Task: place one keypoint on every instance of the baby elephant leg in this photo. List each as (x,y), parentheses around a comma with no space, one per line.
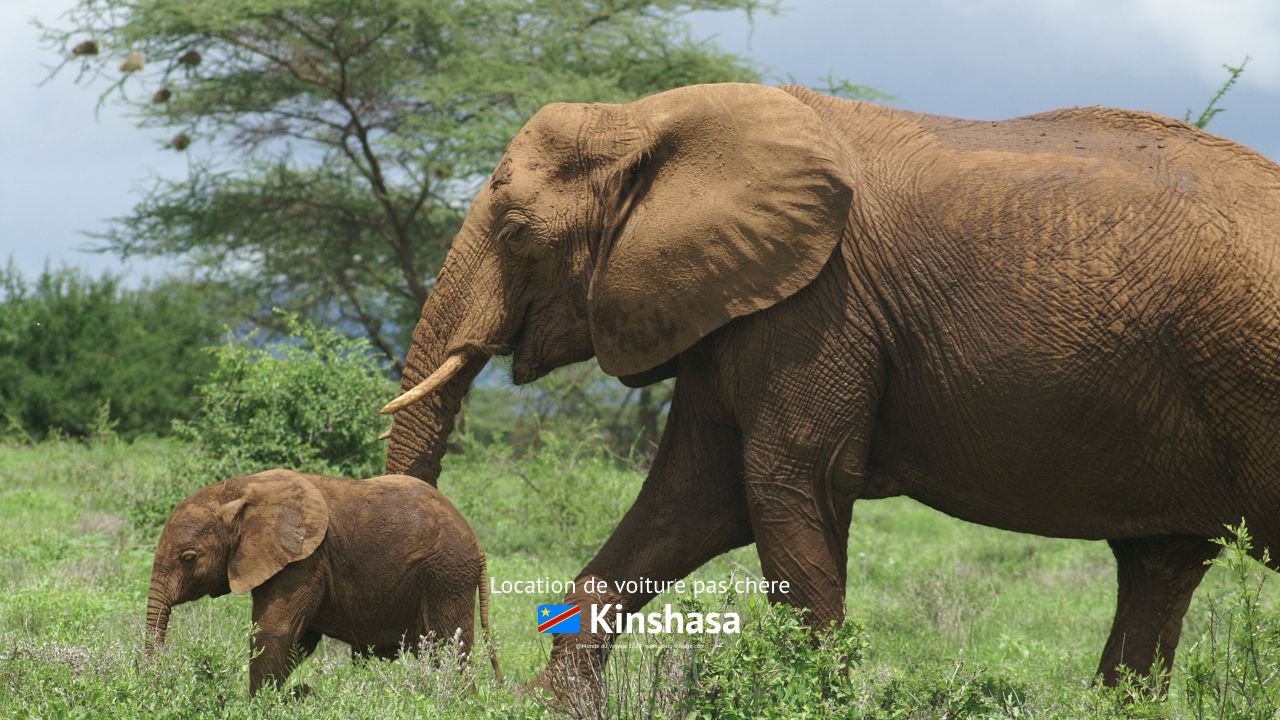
(282,619)
(307,643)
(277,655)
(306,646)
(446,619)
(382,652)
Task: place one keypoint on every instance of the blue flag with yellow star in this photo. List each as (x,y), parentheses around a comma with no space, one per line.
(556,619)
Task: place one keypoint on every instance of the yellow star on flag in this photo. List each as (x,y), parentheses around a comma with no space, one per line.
(545,612)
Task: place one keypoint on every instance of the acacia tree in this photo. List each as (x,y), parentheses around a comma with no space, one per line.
(335,142)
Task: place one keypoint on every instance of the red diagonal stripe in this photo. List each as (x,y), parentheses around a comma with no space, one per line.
(559,618)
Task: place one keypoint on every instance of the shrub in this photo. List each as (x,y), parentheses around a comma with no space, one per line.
(1233,672)
(72,345)
(309,404)
(958,692)
(773,669)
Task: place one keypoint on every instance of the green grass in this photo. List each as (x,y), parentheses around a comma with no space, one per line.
(959,620)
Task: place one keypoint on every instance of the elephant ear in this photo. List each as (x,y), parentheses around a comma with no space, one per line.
(733,202)
(278,517)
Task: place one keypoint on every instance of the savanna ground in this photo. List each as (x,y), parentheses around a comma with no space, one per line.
(950,619)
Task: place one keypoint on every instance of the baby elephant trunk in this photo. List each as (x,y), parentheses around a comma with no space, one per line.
(157,622)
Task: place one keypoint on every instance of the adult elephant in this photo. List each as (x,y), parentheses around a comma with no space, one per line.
(1065,324)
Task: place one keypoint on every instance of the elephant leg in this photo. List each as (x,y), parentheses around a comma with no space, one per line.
(690,509)
(802,538)
(381,652)
(449,618)
(308,642)
(1157,577)
(276,656)
(282,609)
(386,652)
(806,462)
(306,646)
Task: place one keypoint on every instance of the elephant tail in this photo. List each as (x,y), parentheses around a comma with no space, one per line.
(484,616)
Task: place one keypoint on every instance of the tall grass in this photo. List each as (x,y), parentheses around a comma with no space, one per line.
(948,619)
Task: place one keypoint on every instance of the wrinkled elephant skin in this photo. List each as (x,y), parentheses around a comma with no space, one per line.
(1065,324)
(377,564)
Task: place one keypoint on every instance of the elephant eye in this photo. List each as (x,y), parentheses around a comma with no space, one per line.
(510,233)
(188,557)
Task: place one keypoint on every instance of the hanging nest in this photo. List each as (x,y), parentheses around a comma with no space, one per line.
(162,96)
(180,142)
(88,47)
(190,58)
(133,63)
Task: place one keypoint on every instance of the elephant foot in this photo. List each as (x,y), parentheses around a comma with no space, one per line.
(573,673)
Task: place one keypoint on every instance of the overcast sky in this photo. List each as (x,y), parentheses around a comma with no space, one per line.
(62,172)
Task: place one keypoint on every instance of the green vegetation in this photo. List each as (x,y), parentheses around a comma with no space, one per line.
(308,403)
(949,619)
(775,671)
(77,351)
(358,128)
(572,400)
(336,145)
(1232,671)
(1211,110)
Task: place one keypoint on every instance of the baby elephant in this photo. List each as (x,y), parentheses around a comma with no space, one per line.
(374,563)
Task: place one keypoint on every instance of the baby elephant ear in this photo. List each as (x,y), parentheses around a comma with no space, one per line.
(277,518)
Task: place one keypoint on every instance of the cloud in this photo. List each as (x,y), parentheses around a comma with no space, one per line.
(1214,33)
(1196,37)
(65,168)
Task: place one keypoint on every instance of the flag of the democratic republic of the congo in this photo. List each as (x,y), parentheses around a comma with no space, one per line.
(555,619)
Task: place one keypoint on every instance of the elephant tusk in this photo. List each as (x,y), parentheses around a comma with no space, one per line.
(386,433)
(447,370)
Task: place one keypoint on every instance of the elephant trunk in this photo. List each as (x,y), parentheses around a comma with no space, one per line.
(451,344)
(157,622)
